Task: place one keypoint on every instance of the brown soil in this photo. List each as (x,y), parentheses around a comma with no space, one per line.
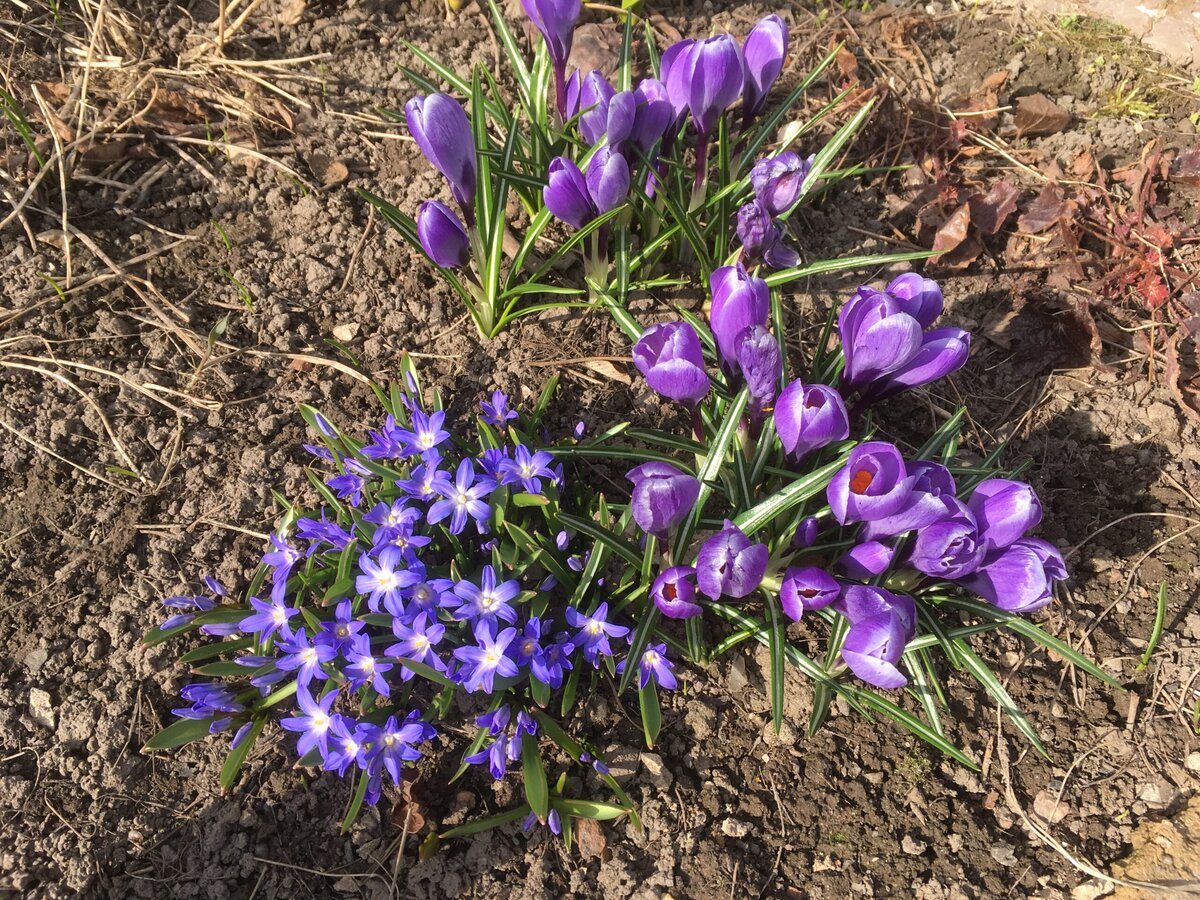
(730,809)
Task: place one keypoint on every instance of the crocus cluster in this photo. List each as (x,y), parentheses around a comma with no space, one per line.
(779,182)
(889,522)
(405,577)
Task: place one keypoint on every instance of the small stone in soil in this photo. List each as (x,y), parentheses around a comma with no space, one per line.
(785,738)
(913,846)
(1192,762)
(1003,854)
(1047,806)
(737,675)
(622,762)
(735,828)
(41,709)
(656,772)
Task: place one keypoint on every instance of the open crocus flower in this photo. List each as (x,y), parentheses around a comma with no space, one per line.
(739,300)
(809,416)
(674,593)
(443,132)
(556,20)
(704,78)
(662,496)
(806,588)
(764,53)
(441,235)
(779,181)
(873,484)
(1020,578)
(1005,510)
(730,564)
(949,547)
(943,351)
(881,625)
(932,483)
(671,359)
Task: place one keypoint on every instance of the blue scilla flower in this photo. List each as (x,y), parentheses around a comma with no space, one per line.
(207,699)
(313,722)
(594,632)
(487,601)
(527,469)
(268,619)
(304,658)
(364,668)
(426,433)
(426,481)
(417,642)
(497,412)
(387,443)
(462,500)
(486,659)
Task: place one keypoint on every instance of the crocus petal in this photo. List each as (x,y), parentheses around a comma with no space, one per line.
(671,359)
(761,364)
(442,130)
(739,300)
(920,297)
(765,49)
(808,417)
(718,75)
(730,564)
(873,484)
(662,496)
(779,180)
(555,19)
(806,588)
(594,96)
(441,234)
(607,179)
(566,193)
(1005,510)
(942,352)
(866,560)
(877,337)
(674,593)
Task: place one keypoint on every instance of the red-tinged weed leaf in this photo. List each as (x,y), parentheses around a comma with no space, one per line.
(954,230)
(1186,167)
(1038,115)
(989,211)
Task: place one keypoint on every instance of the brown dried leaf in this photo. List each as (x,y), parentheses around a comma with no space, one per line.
(329,171)
(1178,379)
(590,838)
(990,211)
(1186,167)
(1037,115)
(1047,208)
(292,12)
(954,230)
(994,82)
(595,46)
(606,369)
(847,64)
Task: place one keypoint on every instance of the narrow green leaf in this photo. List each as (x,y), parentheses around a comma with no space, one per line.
(237,756)
(776,642)
(537,792)
(651,712)
(479,825)
(786,276)
(916,661)
(1160,616)
(613,542)
(992,685)
(789,497)
(641,637)
(178,733)
(588,809)
(356,801)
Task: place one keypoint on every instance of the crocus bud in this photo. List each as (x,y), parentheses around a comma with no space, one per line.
(761,364)
(442,236)
(864,561)
(920,297)
(780,255)
(652,114)
(670,358)
(622,111)
(874,483)
(806,533)
(674,593)
(932,484)
(1020,578)
(675,70)
(443,132)
(556,20)
(729,564)
(607,179)
(1005,510)
(881,625)
(806,588)
(764,52)
(566,193)
(594,95)
(942,352)
(573,88)
(779,180)
(878,337)
(662,496)
(809,416)
(739,300)
(949,547)
(707,77)
(756,230)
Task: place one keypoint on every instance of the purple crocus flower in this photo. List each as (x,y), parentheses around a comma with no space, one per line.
(878,337)
(556,20)
(594,632)
(920,297)
(739,301)
(497,413)
(943,351)
(607,179)
(932,484)
(806,533)
(762,237)
(807,588)
(462,500)
(486,659)
(1004,510)
(674,593)
(1019,578)
(779,180)
(442,235)
(873,484)
(313,724)
(662,496)
(808,417)
(594,95)
(949,547)
(764,52)
(730,564)
(865,560)
(652,115)
(704,77)
(760,362)
(443,132)
(881,625)
(670,358)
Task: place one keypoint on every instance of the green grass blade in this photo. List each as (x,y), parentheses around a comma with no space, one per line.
(992,685)
(1160,616)
(651,712)
(791,496)
(537,791)
(823,267)
(777,641)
